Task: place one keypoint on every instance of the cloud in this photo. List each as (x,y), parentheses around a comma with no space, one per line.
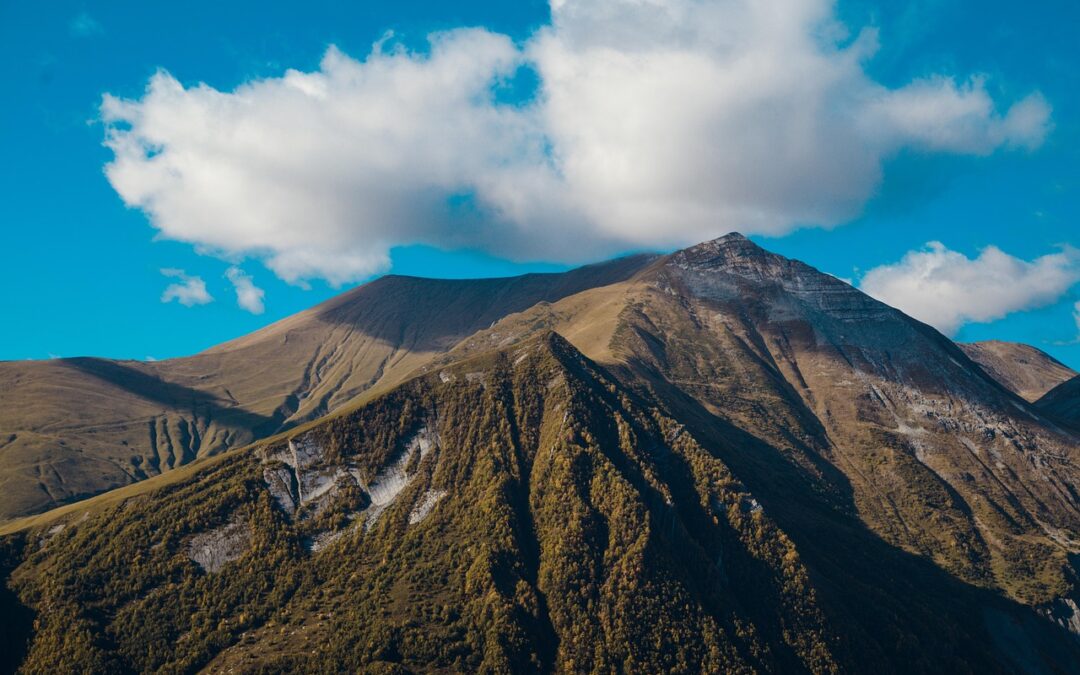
(189,291)
(248,295)
(946,289)
(84,25)
(655,124)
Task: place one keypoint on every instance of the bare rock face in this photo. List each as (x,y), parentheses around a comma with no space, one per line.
(425,505)
(298,476)
(392,480)
(212,550)
(281,482)
(1065,612)
(303,482)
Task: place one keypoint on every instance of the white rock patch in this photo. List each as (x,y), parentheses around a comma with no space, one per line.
(279,481)
(425,505)
(324,539)
(212,550)
(392,480)
(299,477)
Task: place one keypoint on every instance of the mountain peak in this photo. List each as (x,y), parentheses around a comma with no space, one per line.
(735,254)
(733,243)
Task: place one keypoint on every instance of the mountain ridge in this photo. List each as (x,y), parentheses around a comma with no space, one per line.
(72,427)
(578,527)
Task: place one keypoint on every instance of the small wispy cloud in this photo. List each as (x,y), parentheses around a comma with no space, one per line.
(84,25)
(248,295)
(188,291)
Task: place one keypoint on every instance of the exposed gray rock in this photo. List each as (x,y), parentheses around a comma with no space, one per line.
(280,482)
(302,482)
(212,550)
(392,480)
(425,504)
(1064,612)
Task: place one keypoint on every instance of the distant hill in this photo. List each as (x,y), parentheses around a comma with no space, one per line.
(1024,370)
(70,428)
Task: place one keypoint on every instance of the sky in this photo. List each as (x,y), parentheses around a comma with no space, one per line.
(179,174)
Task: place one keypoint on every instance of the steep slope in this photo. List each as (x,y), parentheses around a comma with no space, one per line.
(520,511)
(941,460)
(1022,369)
(1063,402)
(74,427)
(857,404)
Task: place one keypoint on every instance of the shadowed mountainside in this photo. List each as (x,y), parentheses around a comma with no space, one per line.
(1063,402)
(940,458)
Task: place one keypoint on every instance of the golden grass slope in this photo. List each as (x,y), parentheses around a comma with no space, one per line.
(1022,369)
(70,428)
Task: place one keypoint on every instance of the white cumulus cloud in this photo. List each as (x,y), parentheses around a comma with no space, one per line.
(946,289)
(656,123)
(188,291)
(248,295)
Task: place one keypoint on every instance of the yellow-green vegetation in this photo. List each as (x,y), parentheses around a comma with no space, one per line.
(582,530)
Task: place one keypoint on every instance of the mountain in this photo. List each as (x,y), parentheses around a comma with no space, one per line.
(855,398)
(70,428)
(1063,402)
(718,459)
(1022,369)
(520,511)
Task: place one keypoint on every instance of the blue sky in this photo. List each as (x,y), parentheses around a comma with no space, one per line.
(83,270)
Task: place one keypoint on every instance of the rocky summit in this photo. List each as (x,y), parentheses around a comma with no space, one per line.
(717,460)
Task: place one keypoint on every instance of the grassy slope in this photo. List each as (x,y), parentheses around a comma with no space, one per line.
(70,428)
(1024,370)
